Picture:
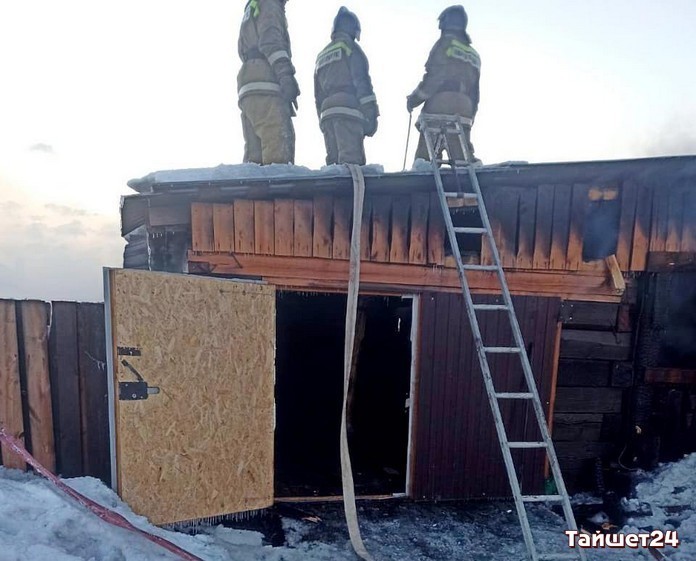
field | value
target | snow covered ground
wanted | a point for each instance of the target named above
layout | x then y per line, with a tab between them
37	523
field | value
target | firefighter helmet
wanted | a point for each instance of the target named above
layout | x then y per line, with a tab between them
454	18
347	22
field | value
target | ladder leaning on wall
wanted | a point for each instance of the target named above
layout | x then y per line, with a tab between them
438	131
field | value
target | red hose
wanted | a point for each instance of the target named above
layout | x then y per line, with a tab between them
102	512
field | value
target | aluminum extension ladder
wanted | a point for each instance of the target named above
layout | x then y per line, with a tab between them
436	129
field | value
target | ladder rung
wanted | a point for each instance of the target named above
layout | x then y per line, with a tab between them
480	268
513	395
439	131
557	556
470	230
502	350
527	444
542	498
490	307
455	195
457	163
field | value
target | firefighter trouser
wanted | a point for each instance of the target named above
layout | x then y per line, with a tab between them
344	139
448	103
269	137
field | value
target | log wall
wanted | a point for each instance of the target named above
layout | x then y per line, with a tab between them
595	374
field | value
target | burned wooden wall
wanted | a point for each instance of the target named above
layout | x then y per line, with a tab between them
595	374
556	227
665	403
456	452
53	387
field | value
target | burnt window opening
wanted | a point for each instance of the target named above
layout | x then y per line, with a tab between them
309	393
602	223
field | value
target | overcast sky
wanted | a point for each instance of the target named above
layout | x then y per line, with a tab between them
95	92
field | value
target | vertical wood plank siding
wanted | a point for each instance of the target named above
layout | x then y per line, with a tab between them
57	354
537	228
65	389
94	391
456	449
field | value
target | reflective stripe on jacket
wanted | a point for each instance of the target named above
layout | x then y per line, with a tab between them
264	47
453	66
342	84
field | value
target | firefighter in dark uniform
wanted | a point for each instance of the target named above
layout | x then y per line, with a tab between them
451	82
346	103
266	84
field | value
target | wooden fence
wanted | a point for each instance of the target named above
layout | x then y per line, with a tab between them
53	385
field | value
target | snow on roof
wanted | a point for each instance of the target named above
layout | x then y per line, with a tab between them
676	167
247	172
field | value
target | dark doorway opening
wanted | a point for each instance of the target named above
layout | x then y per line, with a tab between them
309	393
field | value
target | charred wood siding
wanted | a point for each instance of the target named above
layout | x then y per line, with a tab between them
456	450
595	374
546	227
57	385
665	405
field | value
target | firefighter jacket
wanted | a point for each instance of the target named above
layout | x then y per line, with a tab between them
453	66
264	47
342	84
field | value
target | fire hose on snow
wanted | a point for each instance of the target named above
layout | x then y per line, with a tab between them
102	512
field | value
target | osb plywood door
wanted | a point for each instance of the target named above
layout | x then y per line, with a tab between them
202	446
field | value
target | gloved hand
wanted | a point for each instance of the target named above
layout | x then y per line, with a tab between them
371	113
413	101
289	89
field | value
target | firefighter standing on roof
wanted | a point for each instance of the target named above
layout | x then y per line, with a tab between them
266	84
346	103
451	82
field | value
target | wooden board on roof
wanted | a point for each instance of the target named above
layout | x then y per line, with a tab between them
343	215
660	218
366	230
579	205
323	214
544	227
418	244
244	226
303	228
675	219
504	216
527	218
436	233
264	236
642	228
398	250
561	227
629	203
223	228
284	221
381	215
202	235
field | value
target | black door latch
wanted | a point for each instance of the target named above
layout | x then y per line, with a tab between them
134	391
